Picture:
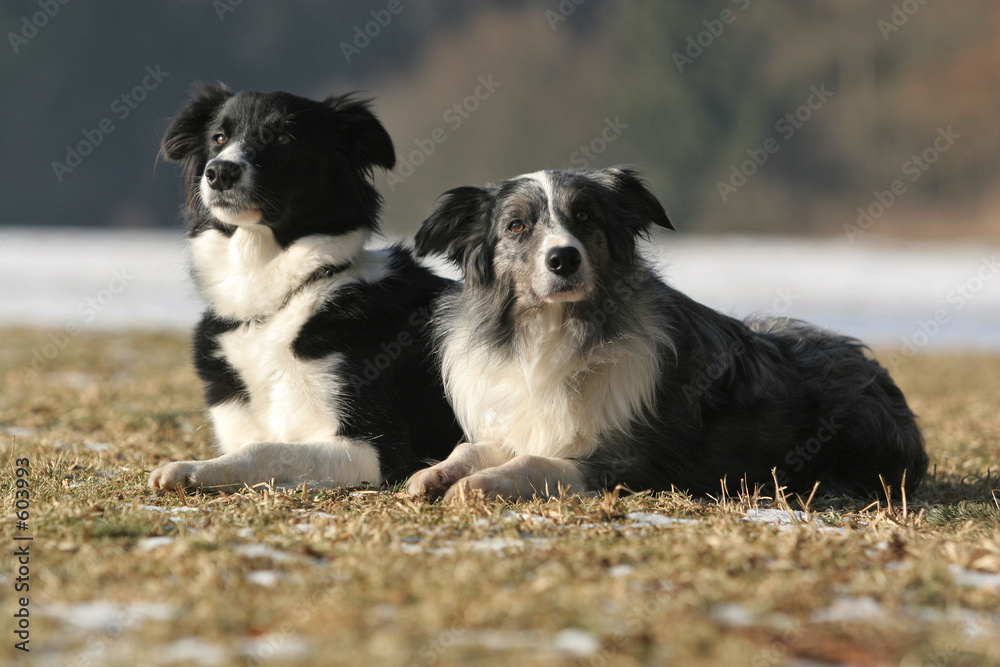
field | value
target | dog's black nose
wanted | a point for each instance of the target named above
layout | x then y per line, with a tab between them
222	174
563	261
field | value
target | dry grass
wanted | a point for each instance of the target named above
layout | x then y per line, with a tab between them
365	577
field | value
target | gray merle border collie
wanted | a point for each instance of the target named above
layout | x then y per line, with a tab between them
570	364
313	350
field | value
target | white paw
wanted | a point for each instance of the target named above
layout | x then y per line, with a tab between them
490	484
180	474
433	482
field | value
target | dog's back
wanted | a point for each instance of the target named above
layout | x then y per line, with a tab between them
766	400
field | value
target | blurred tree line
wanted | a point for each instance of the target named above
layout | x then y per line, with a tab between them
744	115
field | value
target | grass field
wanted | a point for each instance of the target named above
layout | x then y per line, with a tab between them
366	577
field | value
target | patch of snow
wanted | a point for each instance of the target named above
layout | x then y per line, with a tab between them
315	513
568	643
758	515
172	512
150	543
191	651
19	431
285	648
575	643
105	615
526	516
654	520
262	551
972	623
265	578
733	614
496	545
974	579
878	291
788	518
850	610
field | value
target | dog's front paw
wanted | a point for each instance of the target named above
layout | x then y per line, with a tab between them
433	482
180	474
489	484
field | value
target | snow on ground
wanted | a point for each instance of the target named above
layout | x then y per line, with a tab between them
934	295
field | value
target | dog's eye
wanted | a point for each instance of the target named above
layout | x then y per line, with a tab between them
516	226
220	138
581	215
284	139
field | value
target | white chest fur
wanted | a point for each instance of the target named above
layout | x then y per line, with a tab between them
549	400
291	399
249	277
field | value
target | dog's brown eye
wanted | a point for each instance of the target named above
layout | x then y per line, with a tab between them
516	226
581	215
284	139
220	139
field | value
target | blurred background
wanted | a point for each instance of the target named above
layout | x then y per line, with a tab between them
853	147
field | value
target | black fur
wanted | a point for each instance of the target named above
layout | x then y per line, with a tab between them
312	163
319	183
734	401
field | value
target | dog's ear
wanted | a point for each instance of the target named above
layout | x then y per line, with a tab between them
458	229
185	137
634	197
362	134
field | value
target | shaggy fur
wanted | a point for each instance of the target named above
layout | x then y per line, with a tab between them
313	350
570	363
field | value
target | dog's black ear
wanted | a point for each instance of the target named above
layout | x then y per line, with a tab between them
363	135
185	137
458	229
634	196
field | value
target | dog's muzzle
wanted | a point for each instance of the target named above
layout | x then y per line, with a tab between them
222	175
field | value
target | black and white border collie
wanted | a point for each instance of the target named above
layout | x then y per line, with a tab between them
313	350
570	364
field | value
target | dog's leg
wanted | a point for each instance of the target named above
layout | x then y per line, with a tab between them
522	477
344	462
465	460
